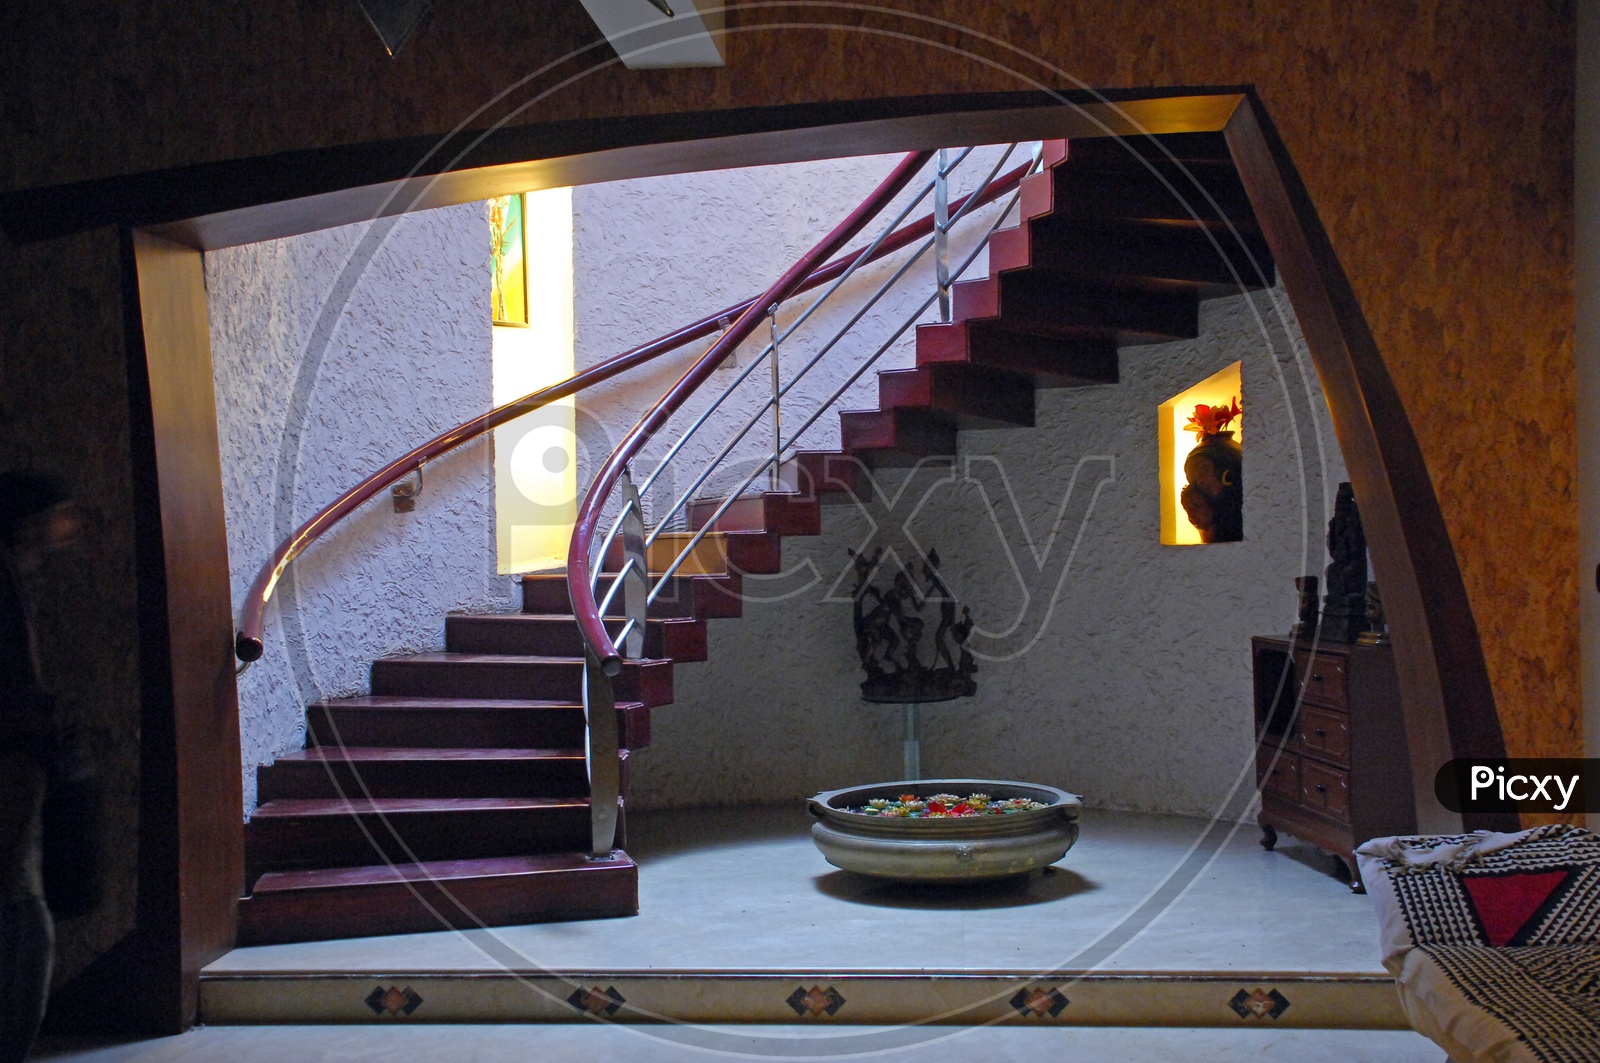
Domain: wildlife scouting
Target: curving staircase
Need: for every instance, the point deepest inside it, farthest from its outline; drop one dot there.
(456, 793)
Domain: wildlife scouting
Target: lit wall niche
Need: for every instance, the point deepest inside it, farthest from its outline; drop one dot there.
(1175, 444)
(535, 456)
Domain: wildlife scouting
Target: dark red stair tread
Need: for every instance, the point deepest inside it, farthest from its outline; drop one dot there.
(1158, 253)
(976, 396)
(308, 808)
(434, 870)
(900, 435)
(775, 512)
(1051, 361)
(1046, 304)
(696, 597)
(503, 675)
(827, 475)
(354, 754)
(436, 895)
(680, 638)
(377, 720)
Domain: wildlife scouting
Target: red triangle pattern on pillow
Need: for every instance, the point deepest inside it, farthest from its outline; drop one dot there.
(1506, 903)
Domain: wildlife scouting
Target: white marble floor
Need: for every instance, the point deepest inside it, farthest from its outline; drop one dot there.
(585, 1043)
(744, 889)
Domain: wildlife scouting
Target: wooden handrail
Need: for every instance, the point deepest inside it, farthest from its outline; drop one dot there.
(579, 572)
(248, 641)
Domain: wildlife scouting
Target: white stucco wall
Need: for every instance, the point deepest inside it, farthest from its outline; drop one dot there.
(334, 353)
(653, 254)
(1131, 687)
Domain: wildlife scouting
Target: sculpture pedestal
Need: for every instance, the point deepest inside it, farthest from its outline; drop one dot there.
(911, 750)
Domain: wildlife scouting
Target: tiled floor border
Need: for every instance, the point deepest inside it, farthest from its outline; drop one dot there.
(1357, 1001)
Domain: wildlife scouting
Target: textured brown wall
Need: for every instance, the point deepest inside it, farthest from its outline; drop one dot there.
(1435, 139)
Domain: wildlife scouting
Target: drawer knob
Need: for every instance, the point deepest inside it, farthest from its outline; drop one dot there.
(1321, 733)
(1321, 789)
(1316, 677)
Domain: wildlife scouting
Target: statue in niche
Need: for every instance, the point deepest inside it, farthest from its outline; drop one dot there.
(1213, 498)
(1344, 604)
(889, 626)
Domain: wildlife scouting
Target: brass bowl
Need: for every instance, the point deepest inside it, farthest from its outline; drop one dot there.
(944, 850)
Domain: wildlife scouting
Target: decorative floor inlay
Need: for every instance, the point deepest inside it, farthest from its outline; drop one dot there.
(393, 1001)
(1259, 1004)
(815, 1002)
(1037, 1003)
(1354, 1000)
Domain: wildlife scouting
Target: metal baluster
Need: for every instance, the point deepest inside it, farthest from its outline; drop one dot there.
(600, 710)
(636, 580)
(941, 232)
(777, 392)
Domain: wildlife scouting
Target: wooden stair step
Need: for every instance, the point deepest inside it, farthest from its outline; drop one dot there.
(1154, 254)
(680, 638)
(1051, 361)
(486, 675)
(411, 898)
(1044, 304)
(431, 722)
(717, 553)
(826, 475)
(1134, 152)
(772, 512)
(897, 436)
(695, 597)
(416, 771)
(975, 396)
(1204, 194)
(319, 833)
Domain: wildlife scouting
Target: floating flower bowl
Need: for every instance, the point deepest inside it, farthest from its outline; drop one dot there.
(945, 849)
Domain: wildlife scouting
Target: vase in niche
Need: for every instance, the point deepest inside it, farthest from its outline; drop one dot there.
(1213, 498)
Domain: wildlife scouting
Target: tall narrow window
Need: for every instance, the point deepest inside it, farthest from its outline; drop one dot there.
(536, 475)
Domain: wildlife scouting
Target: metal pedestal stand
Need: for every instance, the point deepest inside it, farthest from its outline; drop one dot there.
(913, 747)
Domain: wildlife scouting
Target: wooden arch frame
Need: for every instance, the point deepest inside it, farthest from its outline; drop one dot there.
(190, 846)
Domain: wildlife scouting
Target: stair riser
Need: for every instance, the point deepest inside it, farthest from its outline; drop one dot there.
(289, 843)
(898, 436)
(977, 398)
(1150, 253)
(702, 598)
(1100, 194)
(598, 892)
(439, 778)
(1043, 305)
(826, 475)
(1052, 363)
(681, 640)
(776, 513)
(755, 552)
(467, 728)
(649, 683)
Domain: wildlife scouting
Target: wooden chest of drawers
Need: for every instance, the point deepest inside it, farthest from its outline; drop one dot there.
(1331, 758)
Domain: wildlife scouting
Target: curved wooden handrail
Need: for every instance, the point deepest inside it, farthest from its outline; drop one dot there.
(584, 607)
(248, 641)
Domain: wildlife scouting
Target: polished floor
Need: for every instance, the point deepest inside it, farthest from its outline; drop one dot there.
(744, 889)
(742, 893)
(584, 1044)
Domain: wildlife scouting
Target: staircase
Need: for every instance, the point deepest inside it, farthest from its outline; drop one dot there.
(456, 794)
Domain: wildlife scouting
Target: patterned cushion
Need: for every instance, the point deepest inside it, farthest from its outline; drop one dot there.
(1497, 958)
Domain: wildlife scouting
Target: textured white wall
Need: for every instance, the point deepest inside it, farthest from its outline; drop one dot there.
(334, 353)
(1131, 687)
(653, 254)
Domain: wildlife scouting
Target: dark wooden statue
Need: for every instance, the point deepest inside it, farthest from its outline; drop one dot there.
(889, 633)
(1344, 605)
